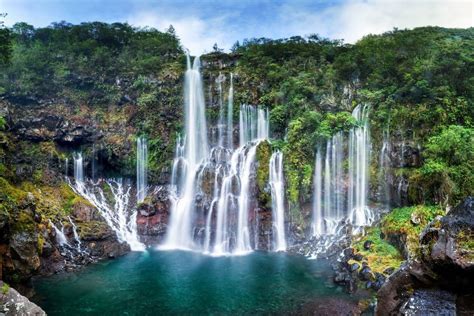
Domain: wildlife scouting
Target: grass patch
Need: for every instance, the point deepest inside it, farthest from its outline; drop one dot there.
(399, 222)
(381, 255)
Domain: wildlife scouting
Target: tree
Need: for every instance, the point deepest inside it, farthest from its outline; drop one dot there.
(216, 49)
(5, 42)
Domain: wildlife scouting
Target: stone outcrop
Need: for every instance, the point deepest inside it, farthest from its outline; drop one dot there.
(444, 273)
(13, 303)
(153, 216)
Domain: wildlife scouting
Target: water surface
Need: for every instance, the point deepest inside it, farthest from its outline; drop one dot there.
(176, 282)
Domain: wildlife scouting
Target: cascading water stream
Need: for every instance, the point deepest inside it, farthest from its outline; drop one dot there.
(142, 168)
(230, 113)
(189, 160)
(60, 236)
(220, 226)
(76, 235)
(359, 159)
(277, 184)
(116, 212)
(334, 198)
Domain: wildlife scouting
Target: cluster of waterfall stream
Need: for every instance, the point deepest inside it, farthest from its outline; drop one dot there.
(228, 224)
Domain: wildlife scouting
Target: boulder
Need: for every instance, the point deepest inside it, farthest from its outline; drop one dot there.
(13, 303)
(445, 271)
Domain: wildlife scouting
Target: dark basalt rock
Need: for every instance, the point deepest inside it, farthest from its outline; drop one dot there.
(46, 127)
(430, 302)
(368, 244)
(445, 271)
(153, 216)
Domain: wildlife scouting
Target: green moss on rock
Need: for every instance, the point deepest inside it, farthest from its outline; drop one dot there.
(263, 154)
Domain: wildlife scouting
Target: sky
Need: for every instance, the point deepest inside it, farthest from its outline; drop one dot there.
(200, 24)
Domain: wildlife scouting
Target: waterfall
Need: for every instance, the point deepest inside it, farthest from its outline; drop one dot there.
(78, 167)
(76, 235)
(277, 184)
(220, 123)
(189, 161)
(211, 190)
(253, 124)
(142, 168)
(334, 198)
(60, 237)
(230, 114)
(114, 206)
(317, 226)
(328, 200)
(359, 160)
(384, 167)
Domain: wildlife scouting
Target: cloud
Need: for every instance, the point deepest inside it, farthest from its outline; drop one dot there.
(201, 23)
(351, 20)
(196, 34)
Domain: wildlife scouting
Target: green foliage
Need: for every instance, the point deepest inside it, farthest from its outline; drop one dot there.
(90, 62)
(5, 288)
(410, 222)
(263, 171)
(5, 43)
(448, 171)
(3, 123)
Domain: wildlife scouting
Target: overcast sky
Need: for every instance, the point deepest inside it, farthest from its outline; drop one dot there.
(200, 24)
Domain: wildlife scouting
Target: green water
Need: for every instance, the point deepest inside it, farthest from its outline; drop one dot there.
(175, 282)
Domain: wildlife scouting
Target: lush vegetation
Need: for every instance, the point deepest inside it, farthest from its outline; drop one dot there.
(419, 84)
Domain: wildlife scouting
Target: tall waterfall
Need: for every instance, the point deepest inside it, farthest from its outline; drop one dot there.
(328, 198)
(384, 166)
(142, 168)
(277, 184)
(188, 161)
(230, 113)
(359, 160)
(114, 207)
(336, 199)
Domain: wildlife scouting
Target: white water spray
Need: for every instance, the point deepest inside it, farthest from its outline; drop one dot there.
(142, 168)
(195, 151)
(277, 184)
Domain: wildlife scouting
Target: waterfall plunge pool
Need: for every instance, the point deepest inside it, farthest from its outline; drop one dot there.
(181, 282)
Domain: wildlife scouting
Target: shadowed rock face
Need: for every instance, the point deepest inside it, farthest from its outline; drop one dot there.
(445, 274)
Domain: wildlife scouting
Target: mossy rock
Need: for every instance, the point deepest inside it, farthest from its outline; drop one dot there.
(381, 255)
(404, 226)
(264, 152)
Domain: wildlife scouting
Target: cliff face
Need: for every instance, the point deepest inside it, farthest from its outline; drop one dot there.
(100, 105)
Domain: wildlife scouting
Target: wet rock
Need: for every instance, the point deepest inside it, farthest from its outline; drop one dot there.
(430, 302)
(389, 271)
(446, 245)
(348, 253)
(355, 267)
(446, 269)
(153, 216)
(365, 274)
(368, 244)
(358, 257)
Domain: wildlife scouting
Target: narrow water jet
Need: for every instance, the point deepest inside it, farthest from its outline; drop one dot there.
(277, 184)
(142, 168)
